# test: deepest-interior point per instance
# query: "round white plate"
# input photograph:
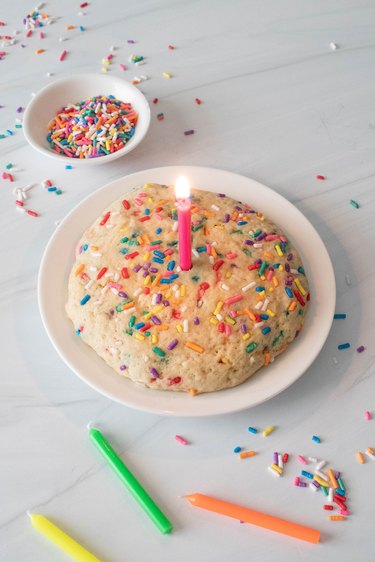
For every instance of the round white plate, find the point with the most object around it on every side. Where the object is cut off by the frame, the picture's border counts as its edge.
(59, 257)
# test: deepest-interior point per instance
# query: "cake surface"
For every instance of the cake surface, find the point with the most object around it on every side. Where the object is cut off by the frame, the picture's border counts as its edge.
(210, 328)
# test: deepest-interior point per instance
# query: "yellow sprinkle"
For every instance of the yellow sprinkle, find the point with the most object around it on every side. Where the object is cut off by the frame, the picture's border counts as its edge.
(270, 312)
(246, 336)
(146, 256)
(108, 145)
(219, 306)
(228, 274)
(194, 347)
(156, 280)
(148, 185)
(147, 280)
(281, 267)
(168, 294)
(229, 320)
(275, 281)
(277, 468)
(299, 287)
(179, 328)
(79, 269)
(214, 320)
(268, 430)
(183, 290)
(146, 238)
(104, 69)
(262, 277)
(167, 75)
(154, 338)
(106, 62)
(140, 240)
(247, 454)
(278, 250)
(139, 337)
(321, 481)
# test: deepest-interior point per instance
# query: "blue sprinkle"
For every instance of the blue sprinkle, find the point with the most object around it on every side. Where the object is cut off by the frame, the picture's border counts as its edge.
(201, 249)
(343, 346)
(158, 230)
(237, 449)
(266, 330)
(85, 247)
(340, 492)
(78, 332)
(81, 28)
(85, 299)
(165, 280)
(139, 325)
(174, 276)
(276, 265)
(252, 430)
(307, 474)
(289, 292)
(52, 188)
(157, 260)
(259, 289)
(10, 132)
(171, 265)
(264, 316)
(339, 316)
(241, 223)
(159, 254)
(147, 211)
(316, 439)
(301, 270)
(68, 167)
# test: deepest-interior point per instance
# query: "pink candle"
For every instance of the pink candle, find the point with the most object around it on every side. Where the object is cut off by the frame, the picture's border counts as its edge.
(184, 222)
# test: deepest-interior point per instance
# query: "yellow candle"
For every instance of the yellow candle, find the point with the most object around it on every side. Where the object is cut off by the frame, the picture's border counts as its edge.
(61, 539)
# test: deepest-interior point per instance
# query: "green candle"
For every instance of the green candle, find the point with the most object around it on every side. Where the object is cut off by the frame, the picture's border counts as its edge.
(138, 492)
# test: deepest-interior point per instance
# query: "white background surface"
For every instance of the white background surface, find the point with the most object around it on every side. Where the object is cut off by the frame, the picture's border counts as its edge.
(279, 106)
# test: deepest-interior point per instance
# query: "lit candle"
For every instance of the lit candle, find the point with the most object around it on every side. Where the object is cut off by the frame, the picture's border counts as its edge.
(184, 222)
(61, 539)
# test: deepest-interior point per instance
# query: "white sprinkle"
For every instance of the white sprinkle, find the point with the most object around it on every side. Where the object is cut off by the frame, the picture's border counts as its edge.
(96, 254)
(28, 187)
(258, 305)
(49, 74)
(116, 277)
(313, 488)
(333, 46)
(89, 284)
(183, 308)
(211, 259)
(312, 459)
(115, 291)
(224, 287)
(175, 226)
(109, 226)
(108, 274)
(334, 359)
(330, 495)
(104, 290)
(320, 464)
(215, 207)
(219, 317)
(348, 280)
(195, 253)
(265, 304)
(61, 39)
(280, 461)
(97, 303)
(137, 291)
(146, 358)
(370, 455)
(252, 360)
(273, 471)
(258, 324)
(178, 269)
(113, 350)
(80, 14)
(321, 474)
(154, 298)
(185, 325)
(294, 271)
(257, 245)
(249, 286)
(112, 48)
(93, 268)
(177, 294)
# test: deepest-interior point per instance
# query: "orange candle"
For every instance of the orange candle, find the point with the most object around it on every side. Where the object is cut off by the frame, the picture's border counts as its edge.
(255, 517)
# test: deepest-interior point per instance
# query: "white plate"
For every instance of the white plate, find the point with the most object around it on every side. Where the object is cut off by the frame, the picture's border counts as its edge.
(58, 260)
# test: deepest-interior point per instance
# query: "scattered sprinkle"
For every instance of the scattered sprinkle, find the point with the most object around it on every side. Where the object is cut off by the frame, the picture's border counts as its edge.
(354, 203)
(181, 440)
(343, 346)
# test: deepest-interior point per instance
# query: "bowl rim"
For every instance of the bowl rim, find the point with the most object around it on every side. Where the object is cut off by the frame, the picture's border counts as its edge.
(26, 126)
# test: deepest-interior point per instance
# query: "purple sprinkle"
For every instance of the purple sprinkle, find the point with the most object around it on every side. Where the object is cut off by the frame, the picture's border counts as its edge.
(243, 328)
(154, 373)
(146, 265)
(137, 268)
(122, 294)
(196, 321)
(145, 274)
(153, 270)
(220, 194)
(159, 296)
(302, 484)
(287, 267)
(166, 303)
(131, 41)
(276, 458)
(155, 320)
(19, 109)
(233, 265)
(122, 367)
(261, 236)
(190, 132)
(258, 261)
(316, 484)
(238, 208)
(337, 474)
(289, 257)
(360, 349)
(172, 345)
(226, 218)
(249, 243)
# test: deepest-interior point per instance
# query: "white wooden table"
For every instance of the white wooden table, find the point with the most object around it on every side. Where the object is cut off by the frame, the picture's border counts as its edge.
(281, 106)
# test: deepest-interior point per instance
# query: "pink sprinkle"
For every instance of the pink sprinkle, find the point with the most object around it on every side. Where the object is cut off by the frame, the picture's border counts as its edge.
(110, 56)
(320, 177)
(234, 299)
(29, 33)
(181, 440)
(63, 55)
(302, 459)
(368, 415)
(228, 330)
(296, 481)
(41, 35)
(170, 47)
(344, 512)
(122, 66)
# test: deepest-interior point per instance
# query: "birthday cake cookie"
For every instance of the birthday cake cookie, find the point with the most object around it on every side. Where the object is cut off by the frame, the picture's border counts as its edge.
(210, 328)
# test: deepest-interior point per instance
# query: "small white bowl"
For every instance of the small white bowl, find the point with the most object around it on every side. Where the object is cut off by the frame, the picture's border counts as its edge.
(53, 97)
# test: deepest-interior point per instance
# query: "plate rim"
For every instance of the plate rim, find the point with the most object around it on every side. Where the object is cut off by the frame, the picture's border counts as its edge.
(204, 411)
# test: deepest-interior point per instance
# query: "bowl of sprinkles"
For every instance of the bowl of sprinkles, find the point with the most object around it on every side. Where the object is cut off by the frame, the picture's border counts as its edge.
(87, 119)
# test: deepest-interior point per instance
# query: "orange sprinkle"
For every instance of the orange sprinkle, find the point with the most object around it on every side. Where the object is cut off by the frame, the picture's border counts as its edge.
(79, 269)
(161, 327)
(267, 254)
(333, 479)
(194, 347)
(267, 357)
(193, 392)
(292, 306)
(360, 458)
(336, 518)
(39, 51)
(247, 454)
(70, 27)
(275, 281)
(250, 315)
(156, 280)
(127, 306)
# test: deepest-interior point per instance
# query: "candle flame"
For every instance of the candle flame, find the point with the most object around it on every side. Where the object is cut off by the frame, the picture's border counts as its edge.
(182, 188)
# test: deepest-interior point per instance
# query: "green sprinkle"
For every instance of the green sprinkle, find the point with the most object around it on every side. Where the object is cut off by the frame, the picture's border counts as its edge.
(123, 240)
(247, 252)
(197, 227)
(147, 334)
(129, 331)
(300, 312)
(131, 321)
(238, 231)
(155, 242)
(174, 243)
(18, 126)
(9, 166)
(262, 268)
(58, 192)
(195, 278)
(354, 203)
(257, 232)
(158, 351)
(250, 348)
(2, 136)
(276, 340)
